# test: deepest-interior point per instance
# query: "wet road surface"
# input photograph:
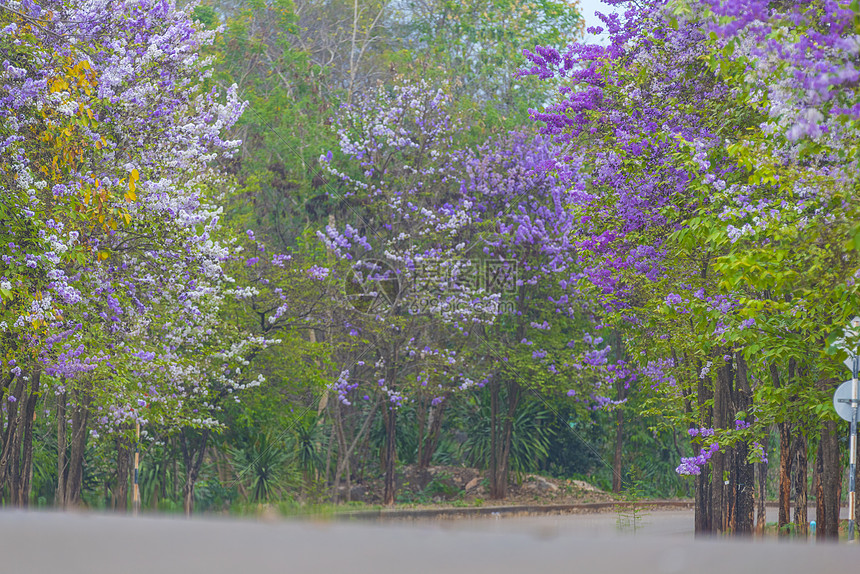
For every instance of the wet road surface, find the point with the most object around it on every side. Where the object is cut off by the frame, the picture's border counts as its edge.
(93, 544)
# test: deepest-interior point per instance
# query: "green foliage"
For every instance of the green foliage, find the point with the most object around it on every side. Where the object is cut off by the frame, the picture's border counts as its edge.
(530, 437)
(630, 513)
(262, 464)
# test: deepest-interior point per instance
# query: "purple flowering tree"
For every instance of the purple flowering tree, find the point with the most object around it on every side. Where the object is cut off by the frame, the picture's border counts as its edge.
(711, 140)
(112, 275)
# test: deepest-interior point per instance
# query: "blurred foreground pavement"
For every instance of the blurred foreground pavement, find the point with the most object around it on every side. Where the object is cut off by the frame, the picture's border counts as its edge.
(40, 542)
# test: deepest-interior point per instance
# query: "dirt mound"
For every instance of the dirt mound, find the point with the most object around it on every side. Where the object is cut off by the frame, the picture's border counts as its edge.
(469, 486)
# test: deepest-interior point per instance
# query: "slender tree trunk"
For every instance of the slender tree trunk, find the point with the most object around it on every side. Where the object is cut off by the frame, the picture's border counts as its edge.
(800, 494)
(10, 449)
(432, 439)
(703, 503)
(123, 465)
(744, 488)
(721, 460)
(829, 484)
(422, 422)
(704, 523)
(507, 439)
(494, 439)
(616, 461)
(342, 453)
(761, 510)
(785, 464)
(192, 455)
(27, 446)
(61, 451)
(390, 454)
(390, 487)
(74, 479)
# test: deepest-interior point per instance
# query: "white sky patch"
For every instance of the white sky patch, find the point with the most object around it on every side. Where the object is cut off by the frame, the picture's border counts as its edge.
(588, 8)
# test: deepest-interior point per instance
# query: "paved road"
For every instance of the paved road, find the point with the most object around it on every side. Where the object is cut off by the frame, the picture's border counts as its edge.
(46, 543)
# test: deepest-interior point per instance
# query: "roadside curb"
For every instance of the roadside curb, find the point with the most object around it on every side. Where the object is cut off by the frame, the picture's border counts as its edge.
(517, 510)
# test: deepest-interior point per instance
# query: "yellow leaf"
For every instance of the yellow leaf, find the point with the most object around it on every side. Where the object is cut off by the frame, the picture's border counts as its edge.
(103, 255)
(59, 85)
(130, 195)
(126, 217)
(133, 176)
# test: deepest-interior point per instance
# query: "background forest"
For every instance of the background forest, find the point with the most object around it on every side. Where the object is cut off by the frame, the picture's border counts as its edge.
(310, 249)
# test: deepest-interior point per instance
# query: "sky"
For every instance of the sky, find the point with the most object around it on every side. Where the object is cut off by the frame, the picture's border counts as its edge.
(588, 8)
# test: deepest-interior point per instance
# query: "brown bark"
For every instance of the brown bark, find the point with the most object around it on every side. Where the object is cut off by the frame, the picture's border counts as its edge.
(621, 394)
(390, 455)
(192, 456)
(494, 438)
(721, 460)
(761, 511)
(342, 454)
(829, 484)
(744, 471)
(801, 520)
(431, 440)
(9, 447)
(61, 451)
(74, 478)
(785, 464)
(505, 463)
(617, 462)
(422, 423)
(123, 466)
(15, 458)
(704, 523)
(27, 446)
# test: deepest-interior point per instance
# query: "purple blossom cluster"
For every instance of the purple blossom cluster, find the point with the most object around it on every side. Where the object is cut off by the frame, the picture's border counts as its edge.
(692, 466)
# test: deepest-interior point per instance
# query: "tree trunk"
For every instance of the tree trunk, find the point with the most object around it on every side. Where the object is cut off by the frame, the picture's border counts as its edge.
(390, 484)
(703, 503)
(74, 478)
(785, 456)
(27, 446)
(123, 465)
(704, 523)
(621, 394)
(507, 440)
(192, 456)
(61, 451)
(390, 454)
(494, 439)
(9, 454)
(800, 494)
(721, 460)
(342, 454)
(15, 462)
(431, 441)
(421, 410)
(829, 483)
(761, 510)
(744, 488)
(616, 461)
